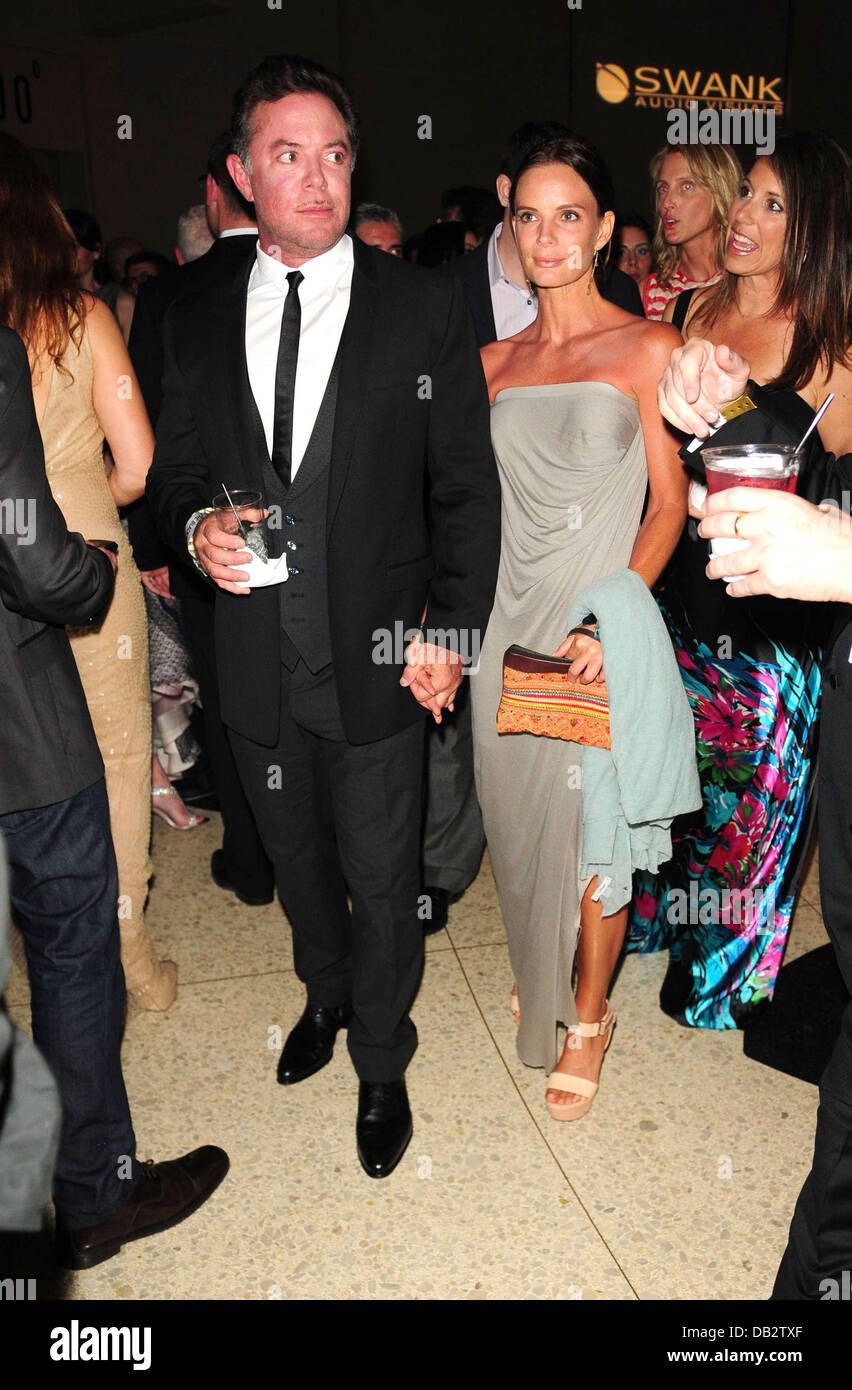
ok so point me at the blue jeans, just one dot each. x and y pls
(64, 888)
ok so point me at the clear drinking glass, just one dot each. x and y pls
(249, 507)
(774, 466)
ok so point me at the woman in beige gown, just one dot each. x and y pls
(85, 390)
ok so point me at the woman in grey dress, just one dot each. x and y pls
(578, 438)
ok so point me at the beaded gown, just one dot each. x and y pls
(112, 659)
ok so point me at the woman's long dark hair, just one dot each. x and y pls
(39, 296)
(815, 284)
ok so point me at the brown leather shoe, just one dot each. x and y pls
(165, 1194)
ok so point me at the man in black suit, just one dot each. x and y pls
(241, 865)
(54, 817)
(501, 303)
(346, 386)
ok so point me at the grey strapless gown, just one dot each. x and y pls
(572, 468)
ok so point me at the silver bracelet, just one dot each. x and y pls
(190, 530)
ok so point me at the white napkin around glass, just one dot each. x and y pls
(262, 573)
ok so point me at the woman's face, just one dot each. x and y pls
(757, 224)
(684, 207)
(633, 252)
(557, 225)
(85, 259)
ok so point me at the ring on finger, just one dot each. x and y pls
(737, 519)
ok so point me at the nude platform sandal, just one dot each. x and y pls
(578, 1085)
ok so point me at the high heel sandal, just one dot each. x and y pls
(194, 820)
(516, 1008)
(578, 1085)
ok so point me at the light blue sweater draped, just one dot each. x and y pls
(632, 792)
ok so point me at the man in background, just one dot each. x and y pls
(378, 226)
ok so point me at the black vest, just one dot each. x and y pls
(297, 525)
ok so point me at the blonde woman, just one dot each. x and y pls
(694, 185)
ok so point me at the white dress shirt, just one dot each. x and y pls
(514, 306)
(324, 298)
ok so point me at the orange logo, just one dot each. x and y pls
(612, 82)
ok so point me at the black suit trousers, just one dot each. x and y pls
(337, 817)
(246, 863)
(819, 1248)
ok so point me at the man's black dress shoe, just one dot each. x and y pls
(439, 905)
(384, 1126)
(165, 1194)
(310, 1045)
(221, 878)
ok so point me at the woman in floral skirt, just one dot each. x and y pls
(751, 668)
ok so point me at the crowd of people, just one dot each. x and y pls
(546, 490)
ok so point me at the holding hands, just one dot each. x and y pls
(433, 675)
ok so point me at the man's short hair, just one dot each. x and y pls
(217, 168)
(374, 212)
(523, 140)
(282, 75)
(193, 233)
(479, 208)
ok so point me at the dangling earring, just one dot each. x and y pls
(592, 276)
(529, 286)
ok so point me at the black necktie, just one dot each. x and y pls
(285, 380)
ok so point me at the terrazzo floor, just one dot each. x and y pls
(679, 1183)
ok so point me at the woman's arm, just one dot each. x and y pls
(835, 427)
(119, 407)
(666, 512)
(124, 307)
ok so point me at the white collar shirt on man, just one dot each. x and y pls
(514, 306)
(324, 298)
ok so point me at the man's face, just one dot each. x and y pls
(139, 273)
(299, 176)
(385, 235)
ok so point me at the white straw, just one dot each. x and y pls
(815, 421)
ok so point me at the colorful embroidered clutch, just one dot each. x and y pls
(539, 697)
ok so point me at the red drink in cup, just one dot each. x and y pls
(748, 465)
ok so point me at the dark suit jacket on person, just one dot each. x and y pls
(48, 579)
(146, 353)
(413, 498)
(472, 271)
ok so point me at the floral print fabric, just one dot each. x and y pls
(722, 905)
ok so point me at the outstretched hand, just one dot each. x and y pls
(698, 381)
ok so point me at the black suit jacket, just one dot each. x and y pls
(413, 498)
(48, 578)
(146, 353)
(472, 272)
